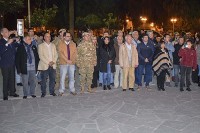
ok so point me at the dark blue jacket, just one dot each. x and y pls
(7, 53)
(145, 51)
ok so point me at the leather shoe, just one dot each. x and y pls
(53, 94)
(33, 96)
(188, 89)
(19, 84)
(181, 89)
(24, 97)
(124, 90)
(43, 95)
(15, 95)
(108, 86)
(5, 98)
(131, 89)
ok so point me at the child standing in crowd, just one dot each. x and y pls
(161, 65)
(188, 63)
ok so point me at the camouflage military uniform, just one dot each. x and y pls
(86, 62)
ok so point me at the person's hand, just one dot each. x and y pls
(51, 63)
(146, 60)
(193, 70)
(110, 61)
(69, 62)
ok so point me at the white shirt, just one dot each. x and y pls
(6, 41)
(128, 46)
(67, 42)
(129, 52)
(49, 51)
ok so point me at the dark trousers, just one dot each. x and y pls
(185, 76)
(95, 79)
(8, 74)
(51, 73)
(161, 79)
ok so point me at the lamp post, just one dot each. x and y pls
(144, 20)
(173, 20)
(29, 14)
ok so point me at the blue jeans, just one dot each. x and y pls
(17, 77)
(147, 74)
(29, 81)
(176, 74)
(51, 73)
(107, 76)
(100, 77)
(67, 70)
(199, 69)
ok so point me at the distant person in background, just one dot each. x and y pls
(27, 60)
(47, 65)
(188, 64)
(33, 37)
(7, 63)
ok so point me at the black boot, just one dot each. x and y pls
(104, 87)
(199, 81)
(108, 86)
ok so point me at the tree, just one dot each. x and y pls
(43, 17)
(10, 6)
(112, 22)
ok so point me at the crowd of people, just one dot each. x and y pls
(126, 60)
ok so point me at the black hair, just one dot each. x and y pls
(30, 29)
(189, 41)
(143, 35)
(166, 35)
(64, 34)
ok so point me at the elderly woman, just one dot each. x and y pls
(107, 65)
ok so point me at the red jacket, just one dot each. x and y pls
(188, 57)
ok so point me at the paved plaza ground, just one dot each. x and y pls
(103, 112)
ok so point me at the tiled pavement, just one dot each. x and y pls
(104, 112)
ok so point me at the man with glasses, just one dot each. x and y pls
(67, 59)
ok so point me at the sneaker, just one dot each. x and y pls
(108, 86)
(24, 97)
(33, 96)
(131, 89)
(53, 94)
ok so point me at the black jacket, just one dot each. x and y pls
(21, 59)
(107, 53)
(176, 58)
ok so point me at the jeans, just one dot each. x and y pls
(112, 78)
(100, 77)
(29, 81)
(199, 69)
(107, 76)
(176, 74)
(51, 73)
(17, 77)
(185, 76)
(67, 70)
(118, 76)
(147, 74)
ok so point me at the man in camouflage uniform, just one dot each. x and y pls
(86, 61)
(56, 41)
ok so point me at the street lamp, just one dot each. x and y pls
(173, 20)
(144, 20)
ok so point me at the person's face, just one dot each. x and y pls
(86, 37)
(189, 45)
(105, 34)
(119, 39)
(162, 46)
(181, 41)
(129, 39)
(67, 37)
(167, 38)
(120, 33)
(94, 40)
(5, 33)
(28, 40)
(61, 33)
(145, 39)
(47, 38)
(151, 35)
(106, 40)
(135, 35)
(158, 39)
(31, 33)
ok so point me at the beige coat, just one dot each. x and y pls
(63, 55)
(123, 56)
(43, 54)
